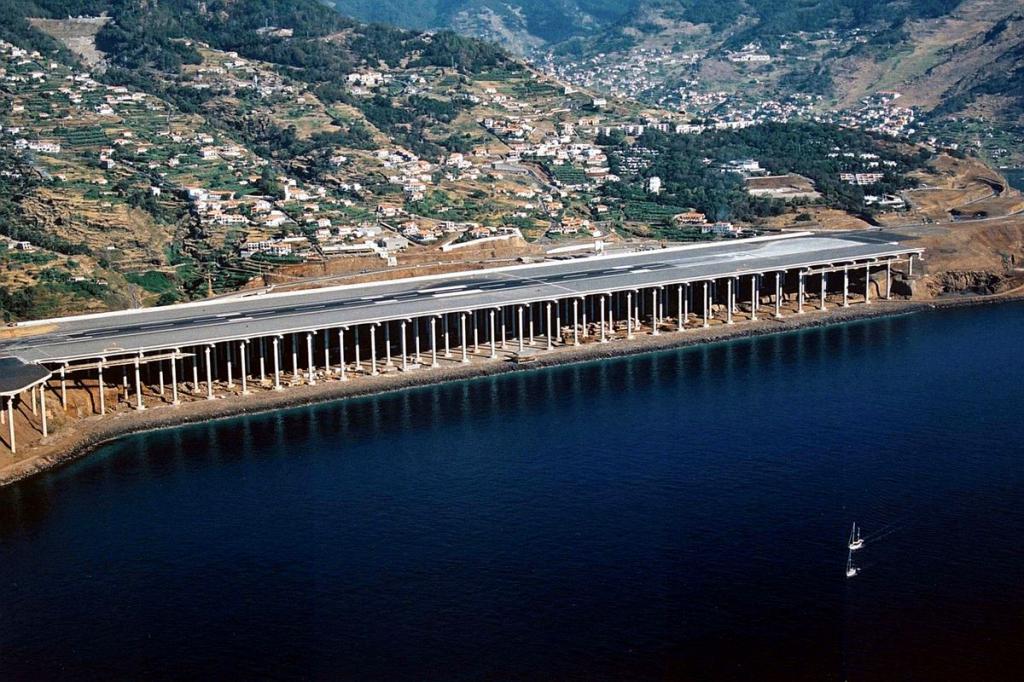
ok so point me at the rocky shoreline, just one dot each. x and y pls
(90, 433)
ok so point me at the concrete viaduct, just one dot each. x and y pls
(268, 341)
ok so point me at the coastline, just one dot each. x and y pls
(90, 433)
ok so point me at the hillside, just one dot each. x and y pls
(159, 153)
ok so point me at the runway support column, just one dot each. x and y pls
(10, 423)
(575, 322)
(295, 354)
(373, 349)
(654, 311)
(888, 280)
(341, 354)
(604, 314)
(355, 348)
(680, 310)
(753, 298)
(263, 359)
(583, 318)
(42, 409)
(846, 287)
(447, 346)
(405, 358)
(910, 265)
(707, 307)
(416, 341)
(823, 291)
(504, 330)
(547, 323)
(387, 344)
(174, 377)
(229, 363)
(629, 315)
(800, 294)
(209, 374)
(519, 313)
(309, 360)
(462, 332)
(494, 341)
(277, 363)
(778, 295)
(433, 341)
(243, 348)
(867, 284)
(728, 299)
(138, 387)
(63, 387)
(530, 324)
(327, 353)
(103, 399)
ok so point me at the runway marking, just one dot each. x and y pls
(436, 289)
(449, 294)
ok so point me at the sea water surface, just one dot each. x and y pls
(680, 515)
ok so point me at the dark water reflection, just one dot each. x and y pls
(678, 515)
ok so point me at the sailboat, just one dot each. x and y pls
(851, 570)
(856, 542)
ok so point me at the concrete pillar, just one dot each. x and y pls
(416, 341)
(138, 387)
(295, 354)
(433, 342)
(405, 357)
(558, 321)
(263, 359)
(277, 363)
(910, 265)
(800, 293)
(707, 307)
(778, 295)
(753, 298)
(243, 348)
(311, 367)
(575, 322)
(462, 331)
(160, 377)
(103, 398)
(387, 344)
(655, 304)
(341, 354)
(195, 370)
(494, 341)
(547, 323)
(629, 314)
(504, 330)
(327, 353)
(583, 318)
(888, 280)
(373, 349)
(174, 377)
(447, 347)
(824, 279)
(229, 364)
(63, 387)
(680, 310)
(42, 409)
(355, 349)
(32, 397)
(846, 287)
(519, 312)
(10, 424)
(209, 375)
(529, 324)
(611, 315)
(604, 312)
(728, 301)
(867, 284)
(476, 330)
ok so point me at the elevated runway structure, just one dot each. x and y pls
(364, 329)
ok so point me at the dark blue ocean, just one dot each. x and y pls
(681, 515)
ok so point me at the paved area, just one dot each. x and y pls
(268, 314)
